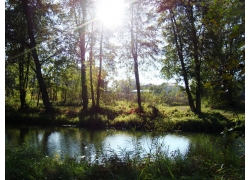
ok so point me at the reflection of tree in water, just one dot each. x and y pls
(98, 144)
(71, 142)
(91, 143)
(14, 136)
(45, 140)
(23, 132)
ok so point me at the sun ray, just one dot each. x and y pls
(111, 12)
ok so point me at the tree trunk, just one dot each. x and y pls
(135, 57)
(90, 68)
(38, 97)
(196, 59)
(22, 89)
(181, 58)
(39, 76)
(100, 73)
(83, 65)
(23, 79)
(137, 80)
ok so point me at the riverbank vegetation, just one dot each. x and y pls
(200, 162)
(124, 115)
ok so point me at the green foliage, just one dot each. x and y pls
(12, 102)
(226, 29)
(221, 48)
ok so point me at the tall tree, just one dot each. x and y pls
(134, 49)
(100, 71)
(78, 12)
(82, 32)
(208, 39)
(225, 47)
(139, 40)
(91, 64)
(186, 34)
(16, 43)
(42, 86)
(179, 47)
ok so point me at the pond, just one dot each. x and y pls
(94, 145)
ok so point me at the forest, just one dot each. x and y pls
(64, 53)
(81, 63)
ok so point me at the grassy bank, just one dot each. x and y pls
(125, 115)
(201, 162)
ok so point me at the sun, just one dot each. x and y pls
(111, 12)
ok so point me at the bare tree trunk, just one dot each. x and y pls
(43, 89)
(90, 68)
(197, 62)
(83, 51)
(135, 57)
(137, 80)
(38, 97)
(23, 78)
(180, 54)
(100, 73)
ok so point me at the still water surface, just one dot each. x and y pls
(93, 144)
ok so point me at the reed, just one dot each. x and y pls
(201, 161)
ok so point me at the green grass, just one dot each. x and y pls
(122, 114)
(201, 162)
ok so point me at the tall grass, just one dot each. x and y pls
(200, 162)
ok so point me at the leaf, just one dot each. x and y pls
(219, 170)
(227, 77)
(236, 28)
(243, 71)
(234, 35)
(236, 32)
(207, 85)
(241, 44)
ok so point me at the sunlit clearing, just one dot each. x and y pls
(111, 12)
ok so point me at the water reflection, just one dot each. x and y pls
(92, 145)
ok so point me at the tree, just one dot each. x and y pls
(134, 46)
(140, 42)
(206, 45)
(107, 53)
(43, 89)
(82, 32)
(225, 47)
(100, 72)
(187, 34)
(16, 42)
(91, 65)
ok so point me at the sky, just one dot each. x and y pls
(150, 76)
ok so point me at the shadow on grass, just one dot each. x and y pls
(205, 122)
(39, 117)
(150, 119)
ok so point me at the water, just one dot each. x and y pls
(94, 145)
